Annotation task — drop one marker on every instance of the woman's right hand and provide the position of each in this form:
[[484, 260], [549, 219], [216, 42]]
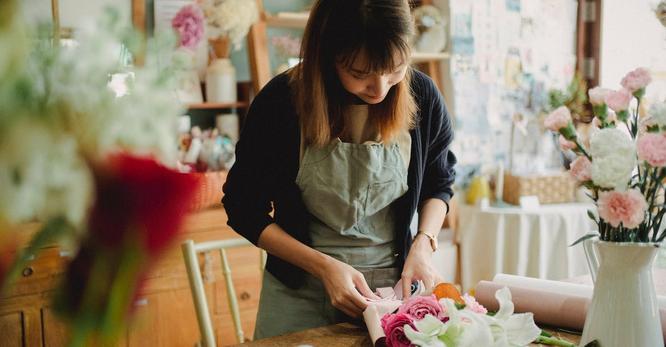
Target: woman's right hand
[[346, 287]]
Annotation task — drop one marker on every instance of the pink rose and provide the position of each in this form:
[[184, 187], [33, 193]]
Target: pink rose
[[473, 305], [619, 100], [394, 329], [598, 95], [419, 306], [558, 119], [652, 148], [189, 23], [581, 169], [637, 79], [627, 207], [566, 145]]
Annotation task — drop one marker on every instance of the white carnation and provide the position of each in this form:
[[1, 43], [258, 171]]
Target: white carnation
[[612, 142], [657, 114], [612, 172], [613, 158]]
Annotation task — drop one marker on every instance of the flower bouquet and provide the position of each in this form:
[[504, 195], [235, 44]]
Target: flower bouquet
[[92, 166], [446, 318], [623, 168], [623, 164]]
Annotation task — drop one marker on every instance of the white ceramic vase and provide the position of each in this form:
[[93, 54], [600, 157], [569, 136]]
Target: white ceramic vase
[[624, 310], [221, 81]]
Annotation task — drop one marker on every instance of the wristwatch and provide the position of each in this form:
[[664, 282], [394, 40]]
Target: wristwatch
[[433, 240]]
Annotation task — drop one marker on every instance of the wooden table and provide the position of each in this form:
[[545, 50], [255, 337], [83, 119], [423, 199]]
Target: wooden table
[[345, 335]]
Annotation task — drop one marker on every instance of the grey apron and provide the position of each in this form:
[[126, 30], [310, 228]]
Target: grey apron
[[348, 189]]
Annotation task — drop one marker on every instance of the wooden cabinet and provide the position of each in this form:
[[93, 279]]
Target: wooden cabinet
[[164, 311]]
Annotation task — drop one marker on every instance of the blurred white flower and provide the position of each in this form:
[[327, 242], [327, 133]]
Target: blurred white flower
[[42, 175], [657, 113], [231, 18], [58, 115]]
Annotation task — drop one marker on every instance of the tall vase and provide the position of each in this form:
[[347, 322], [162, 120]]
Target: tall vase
[[220, 74], [624, 310]]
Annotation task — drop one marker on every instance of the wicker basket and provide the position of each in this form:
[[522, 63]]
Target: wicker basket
[[550, 189], [210, 189]]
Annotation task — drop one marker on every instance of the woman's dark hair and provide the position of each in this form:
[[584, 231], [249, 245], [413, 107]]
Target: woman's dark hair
[[338, 31]]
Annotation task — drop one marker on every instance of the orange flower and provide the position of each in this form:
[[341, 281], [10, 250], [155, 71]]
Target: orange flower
[[448, 290]]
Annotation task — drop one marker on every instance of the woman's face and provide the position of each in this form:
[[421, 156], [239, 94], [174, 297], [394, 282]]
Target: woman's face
[[369, 87]]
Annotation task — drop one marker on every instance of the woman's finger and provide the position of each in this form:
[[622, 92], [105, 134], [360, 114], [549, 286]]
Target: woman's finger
[[406, 286], [357, 300], [363, 287]]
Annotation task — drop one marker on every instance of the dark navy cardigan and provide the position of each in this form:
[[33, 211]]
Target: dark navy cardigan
[[267, 158]]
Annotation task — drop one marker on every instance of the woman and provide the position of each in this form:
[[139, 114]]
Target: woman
[[344, 148]]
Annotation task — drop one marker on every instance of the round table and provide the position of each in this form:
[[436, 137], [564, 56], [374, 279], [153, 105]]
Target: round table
[[528, 242]]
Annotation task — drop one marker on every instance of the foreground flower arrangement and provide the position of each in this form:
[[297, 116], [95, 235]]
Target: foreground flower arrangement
[[91, 164], [446, 319], [623, 165]]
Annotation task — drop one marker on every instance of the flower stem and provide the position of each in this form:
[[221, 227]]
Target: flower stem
[[582, 149], [553, 341]]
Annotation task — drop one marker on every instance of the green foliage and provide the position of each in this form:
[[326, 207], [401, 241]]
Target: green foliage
[[574, 97]]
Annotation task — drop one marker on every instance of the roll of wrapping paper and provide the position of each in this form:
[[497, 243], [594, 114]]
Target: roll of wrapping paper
[[554, 303]]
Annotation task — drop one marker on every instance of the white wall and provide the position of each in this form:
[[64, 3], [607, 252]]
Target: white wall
[[73, 13], [631, 36]]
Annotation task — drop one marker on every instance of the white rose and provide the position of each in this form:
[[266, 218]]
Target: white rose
[[612, 172], [611, 142]]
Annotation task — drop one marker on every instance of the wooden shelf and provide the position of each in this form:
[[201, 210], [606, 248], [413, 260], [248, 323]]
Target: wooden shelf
[[217, 105], [419, 57]]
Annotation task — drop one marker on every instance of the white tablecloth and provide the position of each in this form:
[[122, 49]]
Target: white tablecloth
[[512, 240]]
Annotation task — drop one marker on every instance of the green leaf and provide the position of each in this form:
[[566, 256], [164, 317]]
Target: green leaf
[[592, 216], [583, 238], [553, 341], [594, 343]]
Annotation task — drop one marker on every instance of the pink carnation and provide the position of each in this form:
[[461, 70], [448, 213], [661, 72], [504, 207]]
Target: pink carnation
[[393, 326], [637, 79], [558, 119], [598, 95], [627, 207], [565, 144], [189, 23], [652, 148], [619, 100], [419, 306], [581, 169], [473, 305]]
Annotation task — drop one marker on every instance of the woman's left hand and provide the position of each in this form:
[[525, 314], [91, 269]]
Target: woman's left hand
[[418, 266]]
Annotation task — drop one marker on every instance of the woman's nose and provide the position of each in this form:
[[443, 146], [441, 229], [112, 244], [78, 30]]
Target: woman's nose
[[378, 85]]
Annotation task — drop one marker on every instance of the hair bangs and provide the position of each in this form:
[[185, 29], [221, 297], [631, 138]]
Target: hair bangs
[[377, 57]]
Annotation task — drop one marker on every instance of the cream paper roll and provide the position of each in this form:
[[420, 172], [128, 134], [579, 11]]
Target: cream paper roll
[[554, 303]]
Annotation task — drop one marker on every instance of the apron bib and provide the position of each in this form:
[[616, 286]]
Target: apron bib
[[348, 190]]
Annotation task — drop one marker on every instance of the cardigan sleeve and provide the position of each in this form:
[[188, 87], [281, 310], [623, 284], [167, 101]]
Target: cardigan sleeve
[[247, 190], [439, 174]]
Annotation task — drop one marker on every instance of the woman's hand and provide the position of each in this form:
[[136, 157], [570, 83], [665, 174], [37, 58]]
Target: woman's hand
[[418, 266], [346, 287]]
